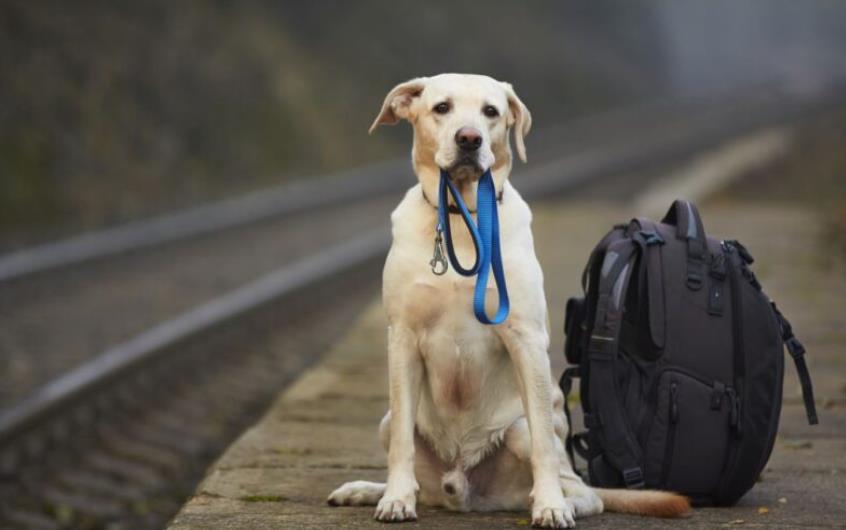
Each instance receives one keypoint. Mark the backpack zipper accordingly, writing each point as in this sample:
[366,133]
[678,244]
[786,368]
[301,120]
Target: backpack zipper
[673,417]
[737,321]
[652,396]
[673,413]
[739,365]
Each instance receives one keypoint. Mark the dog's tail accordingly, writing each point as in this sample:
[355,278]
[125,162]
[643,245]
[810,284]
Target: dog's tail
[644,502]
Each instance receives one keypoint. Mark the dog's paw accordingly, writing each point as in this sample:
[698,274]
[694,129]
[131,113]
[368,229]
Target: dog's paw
[358,493]
[560,514]
[393,509]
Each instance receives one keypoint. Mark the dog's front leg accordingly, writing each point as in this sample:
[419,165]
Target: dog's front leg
[527,346]
[405,369]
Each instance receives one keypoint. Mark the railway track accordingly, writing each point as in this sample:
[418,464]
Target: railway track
[135,428]
[117,439]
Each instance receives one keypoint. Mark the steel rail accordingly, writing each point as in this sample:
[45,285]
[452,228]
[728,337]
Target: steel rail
[286,199]
[145,347]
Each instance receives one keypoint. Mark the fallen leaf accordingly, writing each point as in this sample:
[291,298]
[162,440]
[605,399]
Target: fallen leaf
[523,522]
[763,510]
[737,521]
[783,500]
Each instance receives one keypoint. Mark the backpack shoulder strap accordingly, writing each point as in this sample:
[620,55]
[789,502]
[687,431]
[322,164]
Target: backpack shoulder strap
[653,270]
[614,432]
[616,233]
[589,276]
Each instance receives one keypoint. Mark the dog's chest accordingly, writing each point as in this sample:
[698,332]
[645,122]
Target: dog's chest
[462,356]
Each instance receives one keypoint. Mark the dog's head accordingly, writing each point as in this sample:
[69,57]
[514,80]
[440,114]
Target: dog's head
[461,123]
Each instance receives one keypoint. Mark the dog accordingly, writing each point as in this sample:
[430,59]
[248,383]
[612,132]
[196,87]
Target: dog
[475,420]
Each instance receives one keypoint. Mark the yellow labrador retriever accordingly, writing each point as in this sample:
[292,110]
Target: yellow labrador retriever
[475,420]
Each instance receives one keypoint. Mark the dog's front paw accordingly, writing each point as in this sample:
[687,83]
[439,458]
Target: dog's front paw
[553,514]
[358,493]
[396,508]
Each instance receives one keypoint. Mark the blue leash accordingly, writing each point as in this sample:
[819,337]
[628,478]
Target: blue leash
[485,237]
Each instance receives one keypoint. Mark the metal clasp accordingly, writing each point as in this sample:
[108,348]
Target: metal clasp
[439,262]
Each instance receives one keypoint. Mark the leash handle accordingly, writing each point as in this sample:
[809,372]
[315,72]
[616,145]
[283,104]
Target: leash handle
[485,238]
[443,215]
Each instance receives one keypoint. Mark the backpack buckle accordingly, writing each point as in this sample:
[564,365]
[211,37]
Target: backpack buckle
[795,347]
[651,237]
[694,280]
[633,478]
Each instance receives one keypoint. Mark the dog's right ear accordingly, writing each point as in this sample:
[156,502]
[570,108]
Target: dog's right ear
[397,102]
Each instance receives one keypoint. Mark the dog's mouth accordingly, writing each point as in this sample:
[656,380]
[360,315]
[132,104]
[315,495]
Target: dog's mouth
[465,168]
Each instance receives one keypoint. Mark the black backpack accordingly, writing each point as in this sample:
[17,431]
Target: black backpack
[680,357]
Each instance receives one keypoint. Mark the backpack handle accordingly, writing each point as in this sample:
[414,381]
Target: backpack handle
[685,217]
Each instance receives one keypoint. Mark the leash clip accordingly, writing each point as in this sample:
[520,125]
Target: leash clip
[438,262]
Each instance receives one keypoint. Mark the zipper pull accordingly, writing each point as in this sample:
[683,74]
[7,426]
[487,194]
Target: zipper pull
[674,402]
[438,262]
[734,411]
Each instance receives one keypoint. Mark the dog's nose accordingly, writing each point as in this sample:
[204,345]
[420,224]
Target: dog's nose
[468,139]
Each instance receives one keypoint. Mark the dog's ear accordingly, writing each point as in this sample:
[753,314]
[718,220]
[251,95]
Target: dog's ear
[519,119]
[397,102]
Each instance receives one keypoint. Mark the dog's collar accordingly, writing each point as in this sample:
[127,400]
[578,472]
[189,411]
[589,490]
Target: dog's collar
[453,209]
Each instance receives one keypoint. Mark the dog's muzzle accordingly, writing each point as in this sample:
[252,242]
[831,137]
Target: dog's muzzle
[465,168]
[466,165]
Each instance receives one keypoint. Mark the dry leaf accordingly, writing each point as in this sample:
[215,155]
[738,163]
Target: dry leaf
[763,510]
[798,444]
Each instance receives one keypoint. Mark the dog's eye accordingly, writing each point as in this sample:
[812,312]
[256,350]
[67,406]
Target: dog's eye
[441,108]
[490,111]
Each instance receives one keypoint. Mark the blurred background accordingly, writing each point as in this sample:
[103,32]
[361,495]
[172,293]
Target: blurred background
[116,110]
[173,174]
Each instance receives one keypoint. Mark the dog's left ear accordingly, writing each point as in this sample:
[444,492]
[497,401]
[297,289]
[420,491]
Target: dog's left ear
[519,119]
[397,102]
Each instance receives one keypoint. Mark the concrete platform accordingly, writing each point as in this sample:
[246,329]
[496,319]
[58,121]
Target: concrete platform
[322,431]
